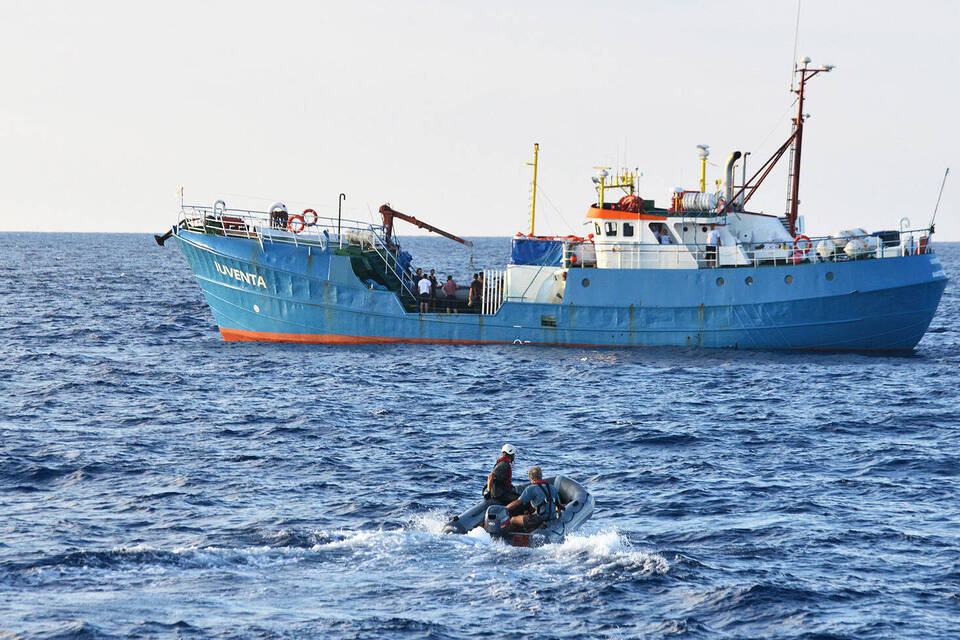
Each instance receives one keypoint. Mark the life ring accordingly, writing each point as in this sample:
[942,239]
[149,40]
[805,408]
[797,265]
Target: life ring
[296,224]
[796,242]
[309,217]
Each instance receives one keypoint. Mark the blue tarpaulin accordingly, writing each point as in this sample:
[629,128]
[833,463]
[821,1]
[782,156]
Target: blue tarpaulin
[539,251]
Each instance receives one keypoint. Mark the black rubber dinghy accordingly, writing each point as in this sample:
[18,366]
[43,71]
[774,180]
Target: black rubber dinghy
[492,516]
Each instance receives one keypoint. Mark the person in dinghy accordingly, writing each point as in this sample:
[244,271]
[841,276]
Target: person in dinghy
[539,503]
[500,481]
[544,512]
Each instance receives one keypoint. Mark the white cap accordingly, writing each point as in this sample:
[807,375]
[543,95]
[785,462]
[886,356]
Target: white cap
[509,449]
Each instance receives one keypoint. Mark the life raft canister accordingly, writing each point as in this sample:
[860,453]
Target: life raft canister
[296,224]
[632,204]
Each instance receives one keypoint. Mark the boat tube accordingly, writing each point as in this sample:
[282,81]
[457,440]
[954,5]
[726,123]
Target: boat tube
[492,516]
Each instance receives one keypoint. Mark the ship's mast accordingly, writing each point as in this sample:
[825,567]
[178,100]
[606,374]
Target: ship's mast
[533,187]
[793,180]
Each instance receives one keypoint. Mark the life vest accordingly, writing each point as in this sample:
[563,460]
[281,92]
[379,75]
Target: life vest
[547,509]
[508,480]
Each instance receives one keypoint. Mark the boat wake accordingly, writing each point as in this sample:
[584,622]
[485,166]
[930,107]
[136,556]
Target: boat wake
[593,553]
[605,553]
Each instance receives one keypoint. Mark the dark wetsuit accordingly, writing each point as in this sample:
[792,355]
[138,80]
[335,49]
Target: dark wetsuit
[501,489]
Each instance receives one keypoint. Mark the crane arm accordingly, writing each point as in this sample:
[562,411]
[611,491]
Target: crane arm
[389,215]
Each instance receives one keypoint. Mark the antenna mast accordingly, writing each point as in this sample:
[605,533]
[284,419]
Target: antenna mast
[939,195]
[533,194]
[805,74]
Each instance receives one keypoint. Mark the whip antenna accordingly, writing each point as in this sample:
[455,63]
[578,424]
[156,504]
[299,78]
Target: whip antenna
[796,37]
[940,195]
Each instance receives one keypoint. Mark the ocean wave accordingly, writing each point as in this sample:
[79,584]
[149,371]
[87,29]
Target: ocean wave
[158,481]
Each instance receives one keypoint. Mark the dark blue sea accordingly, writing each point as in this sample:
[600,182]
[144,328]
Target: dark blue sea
[156,481]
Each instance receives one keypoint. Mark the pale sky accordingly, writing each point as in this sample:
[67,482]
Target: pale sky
[109,107]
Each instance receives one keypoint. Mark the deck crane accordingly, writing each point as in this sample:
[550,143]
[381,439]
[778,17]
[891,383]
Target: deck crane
[389,215]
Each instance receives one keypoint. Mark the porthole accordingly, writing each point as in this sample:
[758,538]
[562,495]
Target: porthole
[703,228]
[749,280]
[684,227]
[719,282]
[585,282]
[788,279]
[829,275]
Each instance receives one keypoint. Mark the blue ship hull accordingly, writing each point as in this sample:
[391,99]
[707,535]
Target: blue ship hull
[286,293]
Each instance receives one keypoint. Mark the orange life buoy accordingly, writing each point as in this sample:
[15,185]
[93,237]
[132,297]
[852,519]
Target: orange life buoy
[796,242]
[309,217]
[296,224]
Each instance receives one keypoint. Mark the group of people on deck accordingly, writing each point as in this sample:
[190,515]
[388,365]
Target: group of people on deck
[430,292]
[538,503]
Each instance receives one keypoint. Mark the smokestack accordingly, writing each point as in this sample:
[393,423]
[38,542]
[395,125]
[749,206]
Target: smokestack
[732,160]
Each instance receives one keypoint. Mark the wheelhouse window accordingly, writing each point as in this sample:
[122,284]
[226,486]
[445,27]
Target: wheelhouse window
[596,227]
[661,233]
[610,229]
[627,229]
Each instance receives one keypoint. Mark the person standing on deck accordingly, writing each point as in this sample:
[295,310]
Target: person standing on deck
[423,288]
[449,291]
[476,290]
[434,285]
[713,243]
[500,481]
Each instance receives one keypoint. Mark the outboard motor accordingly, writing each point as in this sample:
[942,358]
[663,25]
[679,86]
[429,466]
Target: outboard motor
[496,519]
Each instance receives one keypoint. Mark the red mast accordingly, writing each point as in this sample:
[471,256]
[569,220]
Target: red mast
[794,177]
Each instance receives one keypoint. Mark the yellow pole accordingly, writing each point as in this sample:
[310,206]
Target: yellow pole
[704,154]
[533,199]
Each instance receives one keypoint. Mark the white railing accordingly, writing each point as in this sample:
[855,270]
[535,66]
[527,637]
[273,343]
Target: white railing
[305,228]
[612,254]
[276,226]
[494,285]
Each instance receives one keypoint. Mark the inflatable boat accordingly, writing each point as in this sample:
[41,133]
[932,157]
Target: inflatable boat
[492,516]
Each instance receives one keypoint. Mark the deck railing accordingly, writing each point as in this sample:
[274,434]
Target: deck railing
[494,286]
[297,229]
[631,255]
[277,226]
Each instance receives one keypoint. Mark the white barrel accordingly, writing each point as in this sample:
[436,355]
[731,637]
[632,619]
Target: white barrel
[699,201]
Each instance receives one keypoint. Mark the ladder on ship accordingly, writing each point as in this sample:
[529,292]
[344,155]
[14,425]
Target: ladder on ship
[791,171]
[391,268]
